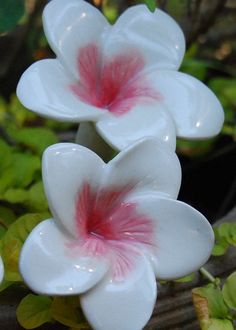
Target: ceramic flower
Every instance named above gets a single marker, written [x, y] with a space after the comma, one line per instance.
[116, 227]
[123, 77]
[1, 270]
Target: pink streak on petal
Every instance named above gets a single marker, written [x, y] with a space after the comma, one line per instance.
[116, 85]
[109, 226]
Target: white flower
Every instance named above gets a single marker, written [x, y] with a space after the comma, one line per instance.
[121, 77]
[115, 228]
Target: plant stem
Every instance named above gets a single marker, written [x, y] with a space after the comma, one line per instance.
[88, 137]
[208, 275]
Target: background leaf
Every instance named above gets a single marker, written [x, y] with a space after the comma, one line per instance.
[229, 291]
[34, 311]
[10, 13]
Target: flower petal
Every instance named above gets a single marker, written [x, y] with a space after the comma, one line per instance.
[144, 120]
[125, 305]
[193, 106]
[148, 165]
[70, 25]
[184, 237]
[67, 167]
[45, 88]
[50, 265]
[1, 270]
[156, 35]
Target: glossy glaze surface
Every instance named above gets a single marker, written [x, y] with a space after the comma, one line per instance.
[116, 227]
[122, 77]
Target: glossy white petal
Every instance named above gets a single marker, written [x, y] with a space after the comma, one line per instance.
[155, 35]
[1, 270]
[144, 120]
[148, 165]
[184, 237]
[50, 264]
[125, 305]
[194, 107]
[45, 88]
[70, 25]
[66, 167]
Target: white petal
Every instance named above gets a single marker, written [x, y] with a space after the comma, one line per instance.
[45, 88]
[125, 305]
[148, 165]
[66, 168]
[144, 120]
[70, 25]
[193, 106]
[184, 237]
[1, 270]
[50, 265]
[155, 35]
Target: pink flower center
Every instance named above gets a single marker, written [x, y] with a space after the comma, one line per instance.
[110, 226]
[116, 85]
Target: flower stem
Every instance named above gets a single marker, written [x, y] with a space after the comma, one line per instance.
[87, 136]
[208, 275]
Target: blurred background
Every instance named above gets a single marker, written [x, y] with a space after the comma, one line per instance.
[209, 166]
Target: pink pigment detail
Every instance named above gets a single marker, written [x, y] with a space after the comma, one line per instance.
[116, 85]
[109, 226]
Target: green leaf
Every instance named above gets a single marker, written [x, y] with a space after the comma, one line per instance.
[13, 240]
[33, 311]
[5, 155]
[7, 217]
[217, 324]
[37, 139]
[151, 4]
[10, 13]
[229, 291]
[67, 311]
[21, 172]
[185, 279]
[215, 302]
[15, 195]
[36, 198]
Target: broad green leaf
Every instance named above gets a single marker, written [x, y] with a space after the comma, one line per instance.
[228, 231]
[10, 13]
[33, 311]
[15, 195]
[214, 299]
[35, 138]
[13, 240]
[7, 216]
[151, 4]
[217, 324]
[5, 156]
[188, 278]
[67, 311]
[36, 198]
[229, 291]
[21, 172]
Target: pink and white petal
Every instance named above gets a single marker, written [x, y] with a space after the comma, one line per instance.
[194, 107]
[68, 167]
[155, 35]
[49, 264]
[148, 165]
[125, 305]
[69, 26]
[1, 270]
[183, 240]
[148, 119]
[45, 89]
